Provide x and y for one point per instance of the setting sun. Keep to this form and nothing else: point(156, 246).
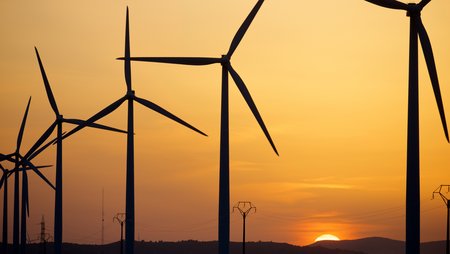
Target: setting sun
point(327, 237)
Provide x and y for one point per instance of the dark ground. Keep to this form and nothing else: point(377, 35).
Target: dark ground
point(373, 245)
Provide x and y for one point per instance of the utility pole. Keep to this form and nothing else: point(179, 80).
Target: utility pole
point(439, 192)
point(244, 207)
point(120, 218)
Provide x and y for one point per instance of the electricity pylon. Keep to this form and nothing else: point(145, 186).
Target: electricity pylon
point(120, 217)
point(43, 237)
point(244, 207)
point(438, 191)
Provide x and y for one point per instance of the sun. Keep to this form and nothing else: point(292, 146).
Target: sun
point(327, 237)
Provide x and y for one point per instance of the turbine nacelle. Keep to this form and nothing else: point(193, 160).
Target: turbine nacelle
point(411, 8)
point(130, 94)
point(414, 10)
point(225, 60)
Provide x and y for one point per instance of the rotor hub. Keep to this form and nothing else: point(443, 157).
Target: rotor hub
point(225, 60)
point(130, 94)
point(413, 10)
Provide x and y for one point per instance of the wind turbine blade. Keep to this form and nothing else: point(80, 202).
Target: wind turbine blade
point(22, 168)
point(93, 125)
point(55, 141)
point(8, 157)
point(41, 140)
point(97, 116)
point(26, 162)
point(127, 54)
point(4, 175)
point(4, 157)
point(25, 188)
point(11, 157)
point(22, 126)
point(44, 166)
point(391, 4)
point(177, 60)
point(41, 149)
point(166, 113)
point(423, 3)
point(48, 89)
point(10, 173)
point(429, 58)
point(251, 104)
point(243, 29)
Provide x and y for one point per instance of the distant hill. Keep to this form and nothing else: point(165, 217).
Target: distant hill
point(379, 245)
point(372, 245)
point(189, 247)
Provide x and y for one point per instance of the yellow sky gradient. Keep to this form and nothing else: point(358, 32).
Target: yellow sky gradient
point(330, 81)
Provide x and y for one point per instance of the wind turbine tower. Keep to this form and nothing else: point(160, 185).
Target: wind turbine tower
point(103, 216)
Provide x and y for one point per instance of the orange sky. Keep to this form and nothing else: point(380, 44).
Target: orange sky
point(329, 78)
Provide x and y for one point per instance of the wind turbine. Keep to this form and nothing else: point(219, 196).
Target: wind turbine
point(224, 185)
point(18, 161)
point(25, 203)
point(25, 207)
point(130, 97)
point(16, 182)
point(4, 182)
point(25, 197)
point(33, 151)
point(417, 29)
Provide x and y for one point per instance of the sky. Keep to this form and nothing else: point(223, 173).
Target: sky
point(328, 77)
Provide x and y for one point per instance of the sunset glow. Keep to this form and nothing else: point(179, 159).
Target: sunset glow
point(329, 78)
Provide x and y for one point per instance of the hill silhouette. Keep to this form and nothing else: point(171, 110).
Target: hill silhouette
point(379, 245)
point(188, 247)
point(372, 245)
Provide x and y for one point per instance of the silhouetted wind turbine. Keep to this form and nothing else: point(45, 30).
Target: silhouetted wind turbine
point(25, 207)
point(417, 29)
point(25, 197)
point(25, 203)
point(130, 97)
point(16, 182)
point(32, 152)
point(4, 182)
point(19, 160)
point(224, 186)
